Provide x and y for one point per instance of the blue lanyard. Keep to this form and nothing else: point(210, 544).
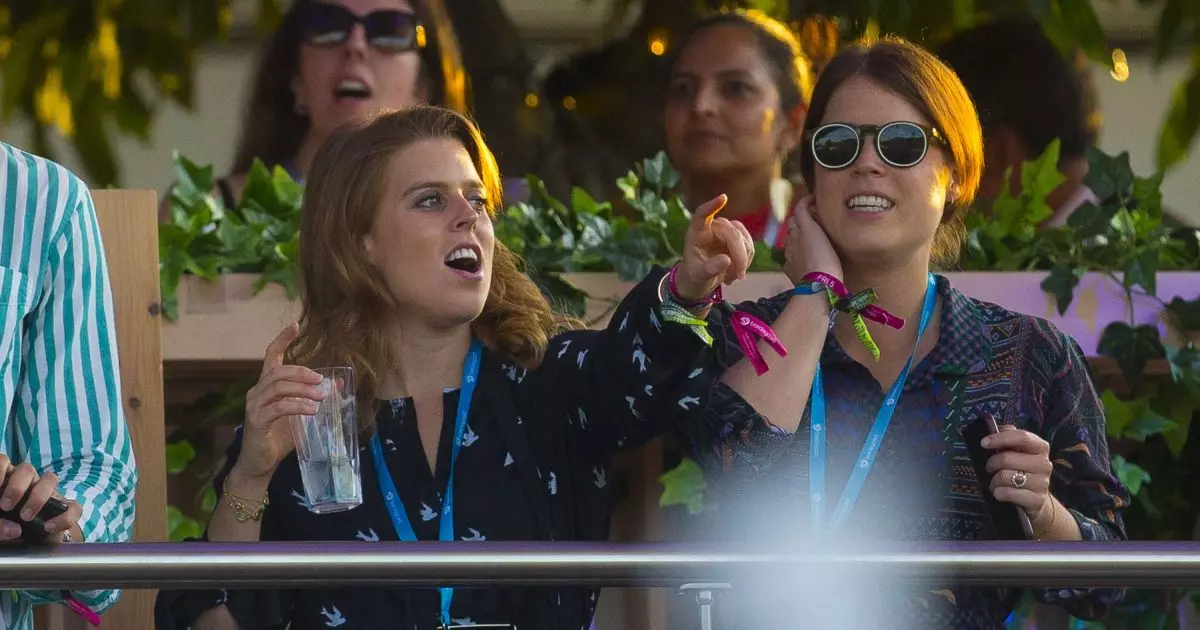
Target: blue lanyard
point(391, 497)
point(866, 458)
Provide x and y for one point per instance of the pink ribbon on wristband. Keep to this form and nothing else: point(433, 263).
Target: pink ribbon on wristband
point(746, 327)
point(81, 609)
point(871, 312)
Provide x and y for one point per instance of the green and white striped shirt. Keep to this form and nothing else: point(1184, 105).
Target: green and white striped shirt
point(59, 376)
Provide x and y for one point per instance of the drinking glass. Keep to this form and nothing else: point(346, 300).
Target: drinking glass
point(327, 446)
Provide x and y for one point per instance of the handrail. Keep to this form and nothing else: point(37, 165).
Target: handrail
point(301, 565)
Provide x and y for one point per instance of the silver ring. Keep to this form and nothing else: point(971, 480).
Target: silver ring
point(1019, 478)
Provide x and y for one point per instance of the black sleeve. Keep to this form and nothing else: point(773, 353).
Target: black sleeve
point(732, 436)
point(254, 609)
point(623, 385)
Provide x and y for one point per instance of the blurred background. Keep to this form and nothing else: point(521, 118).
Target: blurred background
point(547, 79)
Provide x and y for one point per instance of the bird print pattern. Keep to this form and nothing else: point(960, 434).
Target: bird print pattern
point(536, 464)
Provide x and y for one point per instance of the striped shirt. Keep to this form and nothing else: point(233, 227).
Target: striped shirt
point(59, 376)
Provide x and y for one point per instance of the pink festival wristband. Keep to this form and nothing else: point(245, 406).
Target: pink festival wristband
point(81, 609)
point(746, 327)
point(871, 312)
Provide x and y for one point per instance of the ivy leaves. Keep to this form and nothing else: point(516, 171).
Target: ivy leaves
point(555, 238)
point(204, 238)
point(1121, 232)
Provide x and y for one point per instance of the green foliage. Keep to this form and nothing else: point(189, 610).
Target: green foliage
point(179, 525)
point(1124, 233)
point(204, 238)
point(82, 68)
point(553, 237)
point(684, 485)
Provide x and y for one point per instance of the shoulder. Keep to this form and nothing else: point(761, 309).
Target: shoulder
point(1035, 343)
point(41, 199)
point(53, 189)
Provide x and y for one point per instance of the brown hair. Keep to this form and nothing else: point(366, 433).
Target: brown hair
point(918, 77)
point(272, 130)
point(344, 298)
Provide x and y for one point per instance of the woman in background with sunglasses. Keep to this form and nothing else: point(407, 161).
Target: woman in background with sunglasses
point(893, 154)
point(331, 61)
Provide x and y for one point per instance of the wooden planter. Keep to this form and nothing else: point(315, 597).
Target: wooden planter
point(224, 321)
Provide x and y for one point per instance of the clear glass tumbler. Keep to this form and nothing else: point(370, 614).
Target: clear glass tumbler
point(327, 446)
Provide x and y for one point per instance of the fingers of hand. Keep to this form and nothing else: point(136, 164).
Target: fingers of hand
point(278, 347)
point(1012, 439)
point(17, 483)
point(705, 214)
point(1039, 484)
point(286, 381)
point(1014, 460)
point(9, 530)
point(731, 242)
point(41, 492)
point(747, 240)
point(66, 520)
point(718, 266)
point(1023, 497)
point(805, 207)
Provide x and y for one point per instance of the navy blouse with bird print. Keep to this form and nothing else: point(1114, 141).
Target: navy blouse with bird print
point(535, 465)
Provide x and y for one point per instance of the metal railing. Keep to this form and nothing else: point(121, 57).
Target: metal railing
point(301, 565)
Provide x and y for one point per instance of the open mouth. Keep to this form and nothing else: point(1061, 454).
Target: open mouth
point(870, 203)
point(352, 90)
point(465, 259)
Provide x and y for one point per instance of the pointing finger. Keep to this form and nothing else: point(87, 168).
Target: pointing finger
point(275, 351)
point(708, 211)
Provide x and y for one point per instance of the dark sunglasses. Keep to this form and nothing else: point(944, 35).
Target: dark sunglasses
point(901, 144)
point(387, 30)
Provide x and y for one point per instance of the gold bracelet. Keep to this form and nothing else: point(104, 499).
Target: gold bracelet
point(244, 510)
point(1053, 519)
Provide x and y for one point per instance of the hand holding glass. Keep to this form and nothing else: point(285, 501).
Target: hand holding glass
point(327, 446)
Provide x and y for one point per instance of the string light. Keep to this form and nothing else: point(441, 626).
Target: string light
point(569, 103)
point(531, 100)
point(658, 42)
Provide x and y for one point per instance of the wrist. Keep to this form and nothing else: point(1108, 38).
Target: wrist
point(1043, 522)
point(688, 295)
point(251, 485)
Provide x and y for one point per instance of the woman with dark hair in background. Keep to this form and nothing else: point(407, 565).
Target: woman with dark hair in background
point(738, 93)
point(334, 60)
point(893, 154)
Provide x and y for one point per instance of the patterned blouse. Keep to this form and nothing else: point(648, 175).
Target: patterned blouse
point(923, 486)
point(536, 464)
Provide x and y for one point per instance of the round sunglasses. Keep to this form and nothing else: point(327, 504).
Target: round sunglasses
point(391, 31)
point(901, 144)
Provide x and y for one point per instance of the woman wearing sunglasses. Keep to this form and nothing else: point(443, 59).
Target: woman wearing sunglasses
point(885, 427)
point(333, 60)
